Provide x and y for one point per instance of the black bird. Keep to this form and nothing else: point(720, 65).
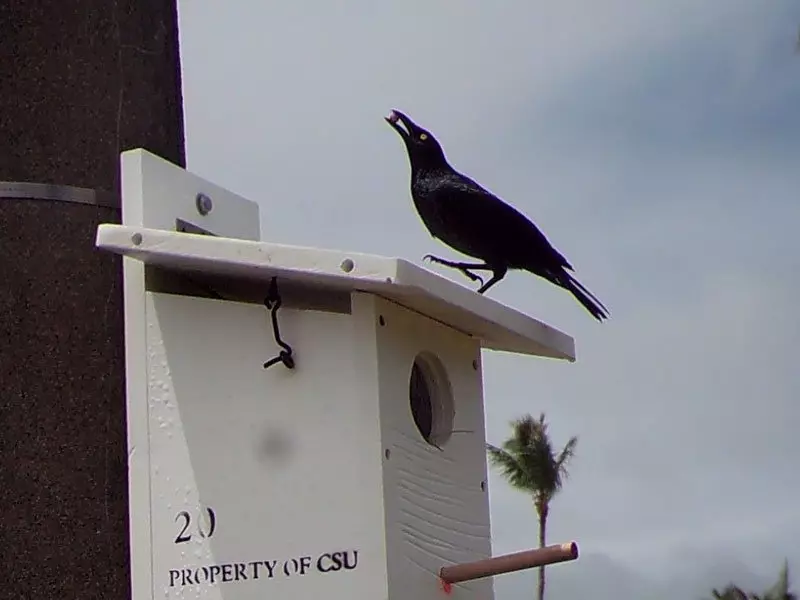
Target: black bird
point(475, 222)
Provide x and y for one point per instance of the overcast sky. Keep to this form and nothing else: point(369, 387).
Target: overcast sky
point(658, 146)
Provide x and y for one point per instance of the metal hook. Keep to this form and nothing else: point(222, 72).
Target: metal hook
point(273, 303)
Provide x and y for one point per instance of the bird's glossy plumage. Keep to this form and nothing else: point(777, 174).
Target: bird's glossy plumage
point(470, 219)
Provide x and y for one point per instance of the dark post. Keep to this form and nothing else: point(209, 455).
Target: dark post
point(80, 81)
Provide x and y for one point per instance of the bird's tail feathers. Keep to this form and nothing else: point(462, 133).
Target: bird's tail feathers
point(586, 298)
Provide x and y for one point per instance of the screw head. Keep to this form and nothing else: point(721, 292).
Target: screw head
point(203, 203)
point(347, 265)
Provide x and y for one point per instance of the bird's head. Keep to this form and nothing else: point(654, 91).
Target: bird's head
point(423, 149)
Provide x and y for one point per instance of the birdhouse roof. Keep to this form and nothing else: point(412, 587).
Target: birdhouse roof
point(497, 326)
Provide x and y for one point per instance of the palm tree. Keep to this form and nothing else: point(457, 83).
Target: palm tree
point(528, 463)
point(731, 592)
point(779, 591)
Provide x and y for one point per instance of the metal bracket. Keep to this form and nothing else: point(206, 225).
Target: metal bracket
point(273, 303)
point(30, 190)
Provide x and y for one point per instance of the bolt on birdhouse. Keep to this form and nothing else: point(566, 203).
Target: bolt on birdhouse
point(302, 423)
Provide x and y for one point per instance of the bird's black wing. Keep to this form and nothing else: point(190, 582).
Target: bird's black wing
point(516, 241)
point(478, 223)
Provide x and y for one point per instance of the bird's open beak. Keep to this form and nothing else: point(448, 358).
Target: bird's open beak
point(401, 124)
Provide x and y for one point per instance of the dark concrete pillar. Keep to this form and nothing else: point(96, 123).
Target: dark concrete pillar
point(80, 81)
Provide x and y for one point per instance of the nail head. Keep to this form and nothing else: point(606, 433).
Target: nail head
point(203, 203)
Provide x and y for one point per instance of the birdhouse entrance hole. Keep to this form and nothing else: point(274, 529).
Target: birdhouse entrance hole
point(431, 399)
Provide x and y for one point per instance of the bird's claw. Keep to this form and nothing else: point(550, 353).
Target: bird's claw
point(467, 273)
point(472, 276)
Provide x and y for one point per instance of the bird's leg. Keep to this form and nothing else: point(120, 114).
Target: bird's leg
point(497, 274)
point(463, 267)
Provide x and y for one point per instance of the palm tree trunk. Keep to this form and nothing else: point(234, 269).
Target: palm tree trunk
point(542, 510)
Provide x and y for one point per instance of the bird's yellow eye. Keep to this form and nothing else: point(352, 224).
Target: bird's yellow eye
point(423, 136)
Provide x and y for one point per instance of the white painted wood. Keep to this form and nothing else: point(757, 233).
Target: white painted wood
point(294, 463)
point(436, 511)
point(496, 325)
point(154, 194)
point(290, 461)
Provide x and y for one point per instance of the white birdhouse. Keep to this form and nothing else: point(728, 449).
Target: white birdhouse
point(302, 423)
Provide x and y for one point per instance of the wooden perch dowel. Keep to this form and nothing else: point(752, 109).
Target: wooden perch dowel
point(509, 563)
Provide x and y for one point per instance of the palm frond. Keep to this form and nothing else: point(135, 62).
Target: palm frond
point(780, 591)
point(731, 592)
point(565, 456)
point(511, 469)
point(527, 459)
